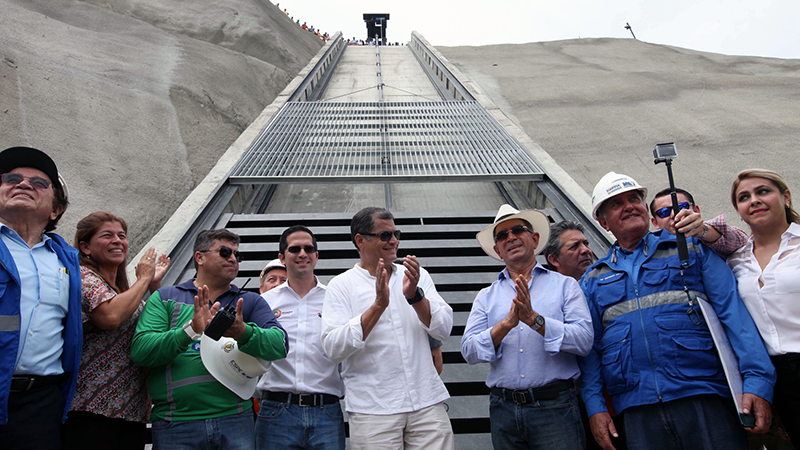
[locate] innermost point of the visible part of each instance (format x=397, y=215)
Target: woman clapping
x=111, y=405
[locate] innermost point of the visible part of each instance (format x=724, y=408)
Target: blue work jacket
x=649, y=345
x=10, y=322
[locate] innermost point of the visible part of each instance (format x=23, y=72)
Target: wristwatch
x=538, y=322
x=417, y=297
x=187, y=327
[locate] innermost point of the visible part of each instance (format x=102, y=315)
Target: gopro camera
x=224, y=317
x=665, y=152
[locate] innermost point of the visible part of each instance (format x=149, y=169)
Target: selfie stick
x=666, y=153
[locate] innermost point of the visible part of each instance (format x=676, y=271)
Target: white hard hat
x=274, y=264
x=537, y=219
x=610, y=185
x=236, y=370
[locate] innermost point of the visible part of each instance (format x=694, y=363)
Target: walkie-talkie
x=224, y=317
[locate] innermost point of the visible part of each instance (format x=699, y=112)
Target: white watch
x=187, y=327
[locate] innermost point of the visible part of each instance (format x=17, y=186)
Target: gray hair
x=554, y=244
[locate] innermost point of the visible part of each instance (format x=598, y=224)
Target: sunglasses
x=225, y=253
x=385, y=236
x=15, y=178
x=516, y=230
x=667, y=210
x=309, y=249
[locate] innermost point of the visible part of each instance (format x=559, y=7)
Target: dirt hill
x=137, y=99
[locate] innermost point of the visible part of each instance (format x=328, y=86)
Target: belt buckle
x=302, y=397
x=26, y=388
x=519, y=397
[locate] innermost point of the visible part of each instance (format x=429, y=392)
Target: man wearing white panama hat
x=529, y=325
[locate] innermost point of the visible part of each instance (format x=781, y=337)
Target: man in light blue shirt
x=529, y=325
x=40, y=303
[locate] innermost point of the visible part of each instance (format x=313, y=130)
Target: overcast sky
x=732, y=27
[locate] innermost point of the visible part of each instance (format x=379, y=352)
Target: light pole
x=628, y=27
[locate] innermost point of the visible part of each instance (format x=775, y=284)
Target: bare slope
x=598, y=105
x=137, y=100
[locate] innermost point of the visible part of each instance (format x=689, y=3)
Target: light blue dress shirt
x=525, y=359
x=44, y=302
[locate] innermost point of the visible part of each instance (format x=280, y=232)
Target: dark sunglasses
x=309, y=249
x=385, y=236
x=225, y=252
x=15, y=178
x=516, y=230
x=667, y=210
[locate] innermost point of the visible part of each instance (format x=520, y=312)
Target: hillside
x=600, y=105
x=137, y=99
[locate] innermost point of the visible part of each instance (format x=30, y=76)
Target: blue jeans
x=544, y=424
x=700, y=422
x=234, y=432
x=285, y=426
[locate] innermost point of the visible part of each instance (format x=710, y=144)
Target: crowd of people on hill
x=371, y=41
x=322, y=35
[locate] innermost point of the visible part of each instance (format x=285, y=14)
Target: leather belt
x=24, y=383
x=549, y=391
x=301, y=399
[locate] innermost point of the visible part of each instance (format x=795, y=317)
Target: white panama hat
x=236, y=370
x=537, y=219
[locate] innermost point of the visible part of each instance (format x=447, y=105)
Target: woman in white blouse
x=768, y=272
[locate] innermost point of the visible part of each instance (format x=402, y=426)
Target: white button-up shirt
x=392, y=371
x=306, y=369
x=775, y=307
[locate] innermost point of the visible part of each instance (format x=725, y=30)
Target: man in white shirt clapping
x=376, y=321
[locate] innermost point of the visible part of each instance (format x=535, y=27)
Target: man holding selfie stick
x=529, y=325
x=724, y=239
x=376, y=321
x=191, y=409
x=653, y=351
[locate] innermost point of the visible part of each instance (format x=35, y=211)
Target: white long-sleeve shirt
x=774, y=307
x=306, y=369
x=392, y=370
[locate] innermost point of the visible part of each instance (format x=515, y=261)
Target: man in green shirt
x=191, y=409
